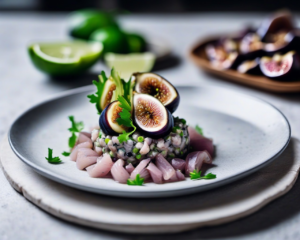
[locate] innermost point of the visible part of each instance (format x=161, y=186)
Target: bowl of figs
x=266, y=57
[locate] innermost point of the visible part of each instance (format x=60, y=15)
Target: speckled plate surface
x=248, y=133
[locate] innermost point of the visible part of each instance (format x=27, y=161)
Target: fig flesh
x=151, y=117
x=107, y=93
x=281, y=67
x=108, y=119
x=158, y=87
x=250, y=67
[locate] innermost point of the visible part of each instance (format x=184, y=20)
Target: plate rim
x=143, y=194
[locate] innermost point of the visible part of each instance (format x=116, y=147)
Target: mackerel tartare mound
x=138, y=139
x=139, y=147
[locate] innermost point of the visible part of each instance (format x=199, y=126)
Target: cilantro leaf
x=124, y=103
x=96, y=98
x=124, y=118
x=51, y=159
x=127, y=86
x=138, y=181
x=66, y=154
x=195, y=175
x=76, y=126
x=199, y=130
x=72, y=140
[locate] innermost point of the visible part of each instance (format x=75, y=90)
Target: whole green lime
x=113, y=39
x=83, y=22
x=136, y=43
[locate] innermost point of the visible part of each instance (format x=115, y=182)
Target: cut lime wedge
x=126, y=64
x=65, y=58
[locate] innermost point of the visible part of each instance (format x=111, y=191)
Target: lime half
x=65, y=58
x=126, y=64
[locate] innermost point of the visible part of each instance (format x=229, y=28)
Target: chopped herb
x=96, y=98
x=138, y=181
x=183, y=121
x=174, y=129
x=107, y=140
x=138, y=156
x=72, y=140
x=99, y=135
x=76, y=127
x=140, y=139
x=66, y=154
x=181, y=134
x=51, y=159
x=195, y=175
x=199, y=130
x=171, y=155
x=135, y=150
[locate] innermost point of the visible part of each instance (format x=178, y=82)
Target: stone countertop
x=22, y=86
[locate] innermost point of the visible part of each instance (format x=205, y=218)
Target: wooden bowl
x=198, y=55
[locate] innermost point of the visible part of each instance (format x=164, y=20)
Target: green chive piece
x=140, y=139
x=107, y=140
x=138, y=156
x=135, y=150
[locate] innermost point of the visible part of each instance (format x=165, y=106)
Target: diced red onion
x=118, y=172
x=145, y=174
x=199, y=142
x=84, y=137
x=178, y=163
x=85, y=158
x=102, y=167
x=129, y=168
x=139, y=168
x=194, y=160
x=155, y=173
x=145, y=149
x=73, y=155
x=164, y=166
x=180, y=175
x=148, y=141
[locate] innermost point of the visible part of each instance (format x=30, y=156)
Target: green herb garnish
x=125, y=119
x=51, y=159
x=195, y=175
x=140, y=139
x=96, y=98
x=66, y=154
x=199, y=130
x=138, y=181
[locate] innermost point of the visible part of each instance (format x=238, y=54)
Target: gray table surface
x=21, y=86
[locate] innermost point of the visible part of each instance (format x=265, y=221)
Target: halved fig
x=250, y=43
x=279, y=22
x=281, y=67
x=151, y=117
x=158, y=87
x=250, y=67
x=107, y=93
x=219, y=58
x=108, y=119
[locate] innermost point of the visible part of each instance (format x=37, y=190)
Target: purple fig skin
x=280, y=21
x=246, y=57
x=255, y=70
x=172, y=106
x=104, y=124
x=162, y=132
x=292, y=75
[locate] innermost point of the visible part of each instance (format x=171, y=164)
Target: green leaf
x=199, y=130
x=96, y=98
x=66, y=154
x=76, y=126
x=209, y=176
x=124, y=103
x=72, y=140
x=125, y=136
x=195, y=175
x=51, y=159
x=114, y=76
x=138, y=181
x=128, y=86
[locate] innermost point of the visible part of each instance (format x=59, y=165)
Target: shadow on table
x=269, y=216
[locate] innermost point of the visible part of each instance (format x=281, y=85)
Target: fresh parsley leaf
x=72, y=140
x=125, y=118
x=76, y=126
x=66, y=154
x=124, y=103
x=127, y=86
x=199, y=130
x=138, y=181
x=125, y=136
x=96, y=98
x=51, y=159
x=195, y=175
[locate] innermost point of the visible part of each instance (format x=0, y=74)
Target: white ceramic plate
x=248, y=133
